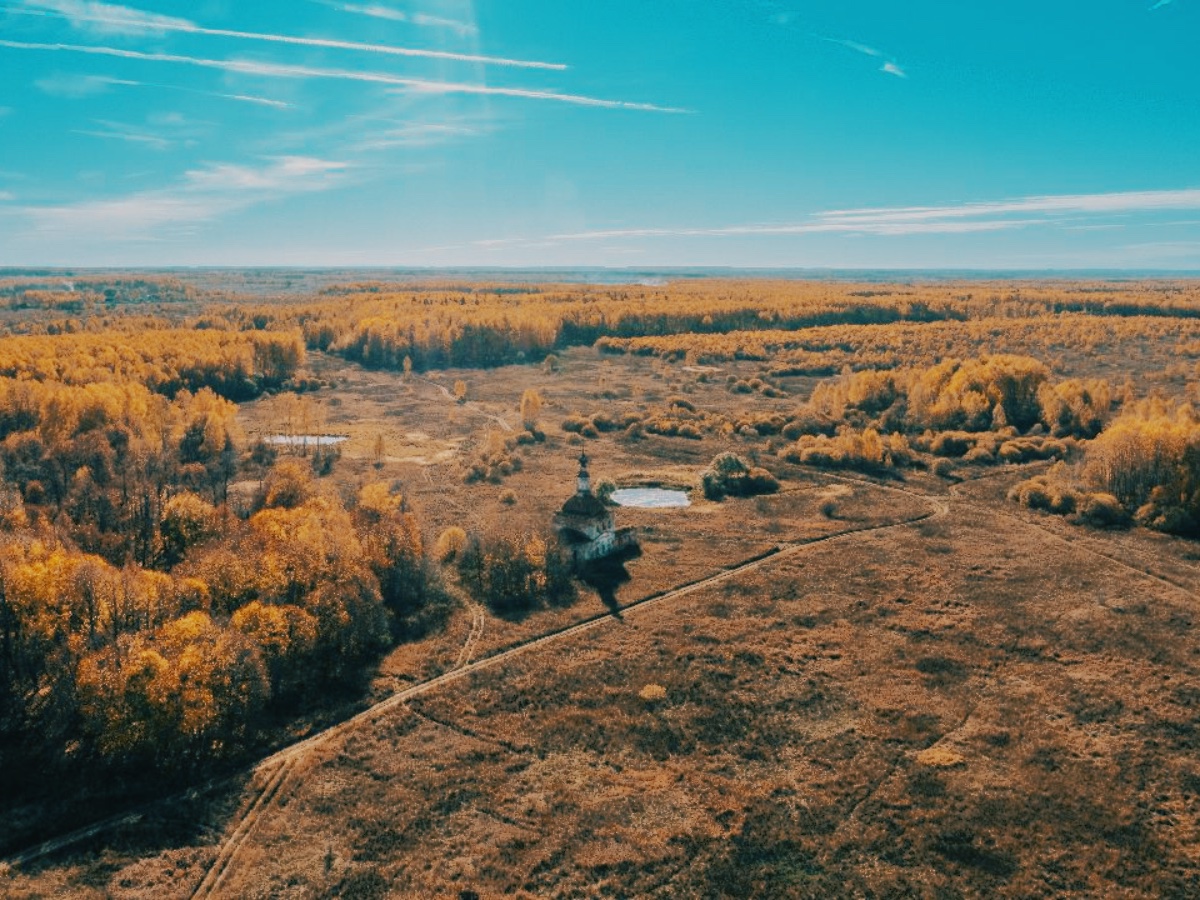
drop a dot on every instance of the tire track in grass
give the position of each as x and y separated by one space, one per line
215 876
245 827
277 772
279 768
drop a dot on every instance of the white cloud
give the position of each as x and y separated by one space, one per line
261 101
276 70
287 174
391 14
1161 249
161 131
854 45
1109 203
76 87
1160 4
463 29
446 87
889 67
418 134
204 194
6 196
811 227
122 19
103 17
967 218
374 10
115 131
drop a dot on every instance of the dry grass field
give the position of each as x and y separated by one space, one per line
900 686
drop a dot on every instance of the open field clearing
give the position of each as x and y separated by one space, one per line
958 705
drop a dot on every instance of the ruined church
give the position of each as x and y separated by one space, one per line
586 526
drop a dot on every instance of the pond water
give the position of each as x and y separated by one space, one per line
306 440
650 498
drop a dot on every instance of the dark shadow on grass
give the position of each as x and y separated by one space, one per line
143 808
607 576
154 824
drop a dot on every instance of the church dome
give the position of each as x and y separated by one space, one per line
587 506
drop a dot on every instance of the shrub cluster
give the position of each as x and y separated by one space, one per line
731 476
495 459
865 450
1149 459
1051 494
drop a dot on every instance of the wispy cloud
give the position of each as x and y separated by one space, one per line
444 87
6 197
418 134
463 29
391 14
853 45
819 225
260 101
374 10
1165 249
1088 204
276 70
161 132
77 87
203 195
889 67
288 174
965 218
126 20
106 18
117 132
1160 4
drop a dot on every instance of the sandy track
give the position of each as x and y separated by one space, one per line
244 827
277 771
469 404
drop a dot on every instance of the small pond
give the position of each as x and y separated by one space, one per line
306 440
650 498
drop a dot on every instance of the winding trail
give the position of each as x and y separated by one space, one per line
283 762
468 648
274 774
277 771
470 404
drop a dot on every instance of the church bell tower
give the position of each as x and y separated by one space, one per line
584 484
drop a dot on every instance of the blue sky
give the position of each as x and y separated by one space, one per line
622 133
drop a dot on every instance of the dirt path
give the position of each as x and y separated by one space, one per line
278 771
471 405
283 762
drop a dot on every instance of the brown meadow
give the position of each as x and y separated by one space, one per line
887 678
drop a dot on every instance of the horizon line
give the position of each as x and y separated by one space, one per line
649 270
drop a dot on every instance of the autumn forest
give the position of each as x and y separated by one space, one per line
183 579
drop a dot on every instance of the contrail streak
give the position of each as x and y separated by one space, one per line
185 27
274 70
